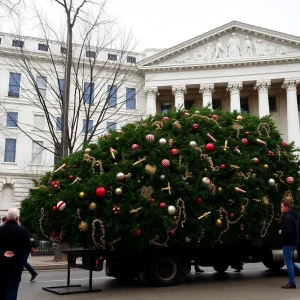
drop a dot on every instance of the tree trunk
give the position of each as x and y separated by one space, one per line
58 248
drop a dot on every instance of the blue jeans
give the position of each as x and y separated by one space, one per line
27 265
288 254
9 287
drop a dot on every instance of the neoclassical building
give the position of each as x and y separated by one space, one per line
233 67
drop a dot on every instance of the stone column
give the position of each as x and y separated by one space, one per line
152 92
207 89
293 131
179 91
234 88
263 97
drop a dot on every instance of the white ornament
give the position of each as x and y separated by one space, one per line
271 181
61 205
162 141
206 180
193 144
171 210
120 176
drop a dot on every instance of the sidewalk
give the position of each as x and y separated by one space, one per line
46 263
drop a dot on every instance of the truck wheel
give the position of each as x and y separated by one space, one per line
220 267
274 266
165 271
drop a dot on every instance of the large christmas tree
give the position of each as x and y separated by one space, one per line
196 178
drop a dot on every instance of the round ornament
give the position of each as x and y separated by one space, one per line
52 183
171 210
71 177
174 152
255 160
150 137
232 215
187 239
244 141
284 144
220 189
266 166
195 126
81 195
210 147
61 205
83 226
206 180
289 180
92 206
271 182
219 223
120 176
197 112
100 192
54 208
215 117
265 200
162 141
152 200
223 166
118 191
172 232
247 133
162 177
239 118
165 119
134 147
54 234
138 232
199 201
165 163
88 150
116 210
193 144
162 205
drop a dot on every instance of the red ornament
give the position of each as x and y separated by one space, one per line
255 160
289 180
210 147
116 210
172 232
54 208
71 177
247 133
174 152
162 205
152 200
64 166
54 234
199 201
150 137
245 141
223 166
232 215
134 147
138 232
284 144
215 117
165 119
52 183
165 163
101 192
195 126
145 124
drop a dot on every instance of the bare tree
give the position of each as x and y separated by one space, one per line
70 82
11 6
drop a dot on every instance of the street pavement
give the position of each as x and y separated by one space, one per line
254 282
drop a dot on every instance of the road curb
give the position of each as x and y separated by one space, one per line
49 267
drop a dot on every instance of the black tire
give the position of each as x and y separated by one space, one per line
274 266
220 267
123 273
165 271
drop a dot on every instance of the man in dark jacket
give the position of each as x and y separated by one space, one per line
290 240
14 243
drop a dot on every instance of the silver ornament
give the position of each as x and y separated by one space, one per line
120 176
118 191
171 210
88 150
162 177
271 181
162 141
193 144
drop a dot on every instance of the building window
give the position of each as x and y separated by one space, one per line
18 43
41 82
10 150
112 96
37 152
113 57
165 107
63 50
244 106
61 87
91 54
57 154
111 126
58 123
88 93
39 122
14 85
272 104
217 104
89 125
12 119
131 59
188 104
131 98
43 47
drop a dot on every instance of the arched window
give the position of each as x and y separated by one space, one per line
7 195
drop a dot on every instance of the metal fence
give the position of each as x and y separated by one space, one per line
46 248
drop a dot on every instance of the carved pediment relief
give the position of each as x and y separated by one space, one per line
234 46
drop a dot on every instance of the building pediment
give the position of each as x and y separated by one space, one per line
233 43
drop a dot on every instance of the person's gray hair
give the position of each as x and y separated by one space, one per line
13 214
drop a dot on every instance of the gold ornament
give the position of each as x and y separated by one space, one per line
88 150
187 240
219 223
168 188
150 169
146 192
266 200
92 206
81 195
83 226
118 191
266 166
239 118
220 189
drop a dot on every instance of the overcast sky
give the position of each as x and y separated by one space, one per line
165 23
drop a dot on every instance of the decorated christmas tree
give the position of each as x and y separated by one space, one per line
196 178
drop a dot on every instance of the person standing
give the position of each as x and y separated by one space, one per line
290 239
14 243
27 265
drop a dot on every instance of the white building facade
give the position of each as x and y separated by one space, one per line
234 67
